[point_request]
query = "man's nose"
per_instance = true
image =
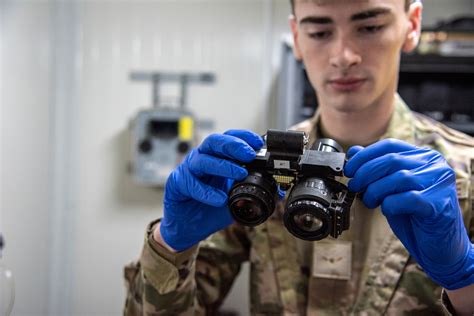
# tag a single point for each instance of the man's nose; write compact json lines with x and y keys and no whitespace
{"x":344,"y":56}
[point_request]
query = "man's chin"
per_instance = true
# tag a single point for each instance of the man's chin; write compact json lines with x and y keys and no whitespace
{"x":348,"y":103}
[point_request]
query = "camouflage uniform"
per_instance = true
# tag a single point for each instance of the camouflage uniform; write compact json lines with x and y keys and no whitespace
{"x":384,"y":278}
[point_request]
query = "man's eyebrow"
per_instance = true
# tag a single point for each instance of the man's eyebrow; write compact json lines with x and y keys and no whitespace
{"x":316,"y":20}
{"x":372,"y":13}
{"x":356,"y":17}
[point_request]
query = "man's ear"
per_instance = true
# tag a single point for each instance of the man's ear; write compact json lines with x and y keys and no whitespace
{"x":294,"y":31}
{"x":414,"y":27}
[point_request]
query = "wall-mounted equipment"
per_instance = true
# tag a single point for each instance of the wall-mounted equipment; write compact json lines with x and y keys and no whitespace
{"x":163,"y":135}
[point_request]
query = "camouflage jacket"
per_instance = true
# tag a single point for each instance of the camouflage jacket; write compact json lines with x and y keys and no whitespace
{"x":383,"y":279}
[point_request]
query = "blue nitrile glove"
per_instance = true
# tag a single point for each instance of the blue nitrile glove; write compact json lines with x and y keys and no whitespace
{"x":195,"y":200}
{"x":416,"y":189}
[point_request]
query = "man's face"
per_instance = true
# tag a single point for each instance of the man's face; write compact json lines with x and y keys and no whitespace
{"x":351,"y":48}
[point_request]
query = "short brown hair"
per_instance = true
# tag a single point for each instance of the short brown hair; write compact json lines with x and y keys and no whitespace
{"x":407,"y":5}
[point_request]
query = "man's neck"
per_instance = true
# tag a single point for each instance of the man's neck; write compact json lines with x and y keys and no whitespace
{"x":358,"y":127}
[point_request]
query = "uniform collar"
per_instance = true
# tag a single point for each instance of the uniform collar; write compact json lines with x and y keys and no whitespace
{"x":402,"y":123}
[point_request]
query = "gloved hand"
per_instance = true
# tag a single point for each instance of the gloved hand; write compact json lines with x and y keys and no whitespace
{"x":416,"y":189}
{"x":195,"y":199}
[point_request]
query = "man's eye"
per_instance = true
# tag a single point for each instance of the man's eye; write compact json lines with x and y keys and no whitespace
{"x":320,"y":35}
{"x":371,"y":28}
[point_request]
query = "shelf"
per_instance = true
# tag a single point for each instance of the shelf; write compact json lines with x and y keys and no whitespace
{"x":436,"y":64}
{"x":467,"y":128}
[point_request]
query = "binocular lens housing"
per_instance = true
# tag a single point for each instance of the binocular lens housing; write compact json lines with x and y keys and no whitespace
{"x":307,"y":215}
{"x":253,"y":200}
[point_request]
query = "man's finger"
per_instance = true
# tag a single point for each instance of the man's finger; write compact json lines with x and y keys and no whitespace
{"x":227,"y":146}
{"x":400,"y":181}
{"x":371,"y":152}
{"x":203,"y":164}
{"x":204,"y":193}
{"x":383,"y":166}
{"x":254,"y":140}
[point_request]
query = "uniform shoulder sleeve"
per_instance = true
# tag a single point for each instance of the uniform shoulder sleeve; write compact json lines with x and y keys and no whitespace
{"x":191,"y":282}
{"x":432,"y":129}
{"x":219,"y":261}
{"x":159,"y":281}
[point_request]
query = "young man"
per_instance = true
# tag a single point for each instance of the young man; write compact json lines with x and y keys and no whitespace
{"x":407,"y":239}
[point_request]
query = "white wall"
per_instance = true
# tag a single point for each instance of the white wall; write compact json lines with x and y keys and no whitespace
{"x":70,"y":213}
{"x":25,"y":149}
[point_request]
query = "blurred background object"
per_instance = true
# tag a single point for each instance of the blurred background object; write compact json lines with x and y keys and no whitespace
{"x":72,"y":213}
{"x":7,"y":285}
{"x":163,"y":135}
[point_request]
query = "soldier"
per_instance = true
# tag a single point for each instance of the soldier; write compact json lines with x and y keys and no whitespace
{"x":407,"y":251}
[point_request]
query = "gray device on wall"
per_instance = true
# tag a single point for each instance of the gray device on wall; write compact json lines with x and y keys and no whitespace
{"x":162,"y":136}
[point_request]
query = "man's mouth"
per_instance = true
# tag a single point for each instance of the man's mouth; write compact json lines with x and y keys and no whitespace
{"x":347,"y":84}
